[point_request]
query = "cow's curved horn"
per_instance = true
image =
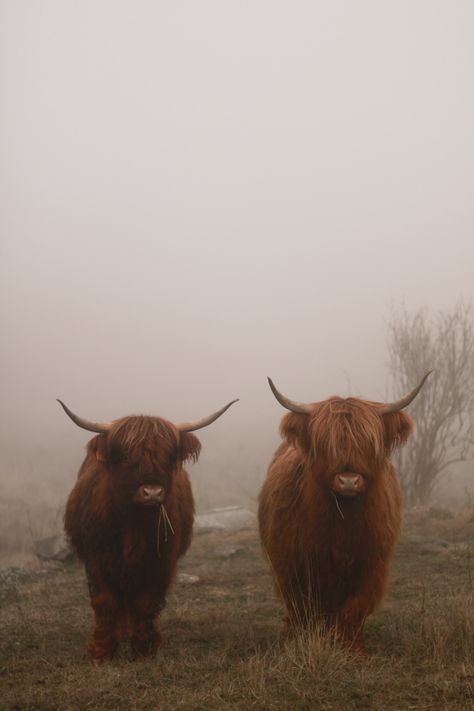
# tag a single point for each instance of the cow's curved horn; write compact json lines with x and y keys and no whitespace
{"x":404,"y":401}
{"x":204,"y":421}
{"x":300,"y":407}
{"x":99,"y":427}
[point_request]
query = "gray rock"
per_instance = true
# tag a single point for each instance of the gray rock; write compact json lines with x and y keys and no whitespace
{"x":228,"y":519}
{"x":187,"y":579}
{"x":53,"y":548}
{"x":227,"y":551}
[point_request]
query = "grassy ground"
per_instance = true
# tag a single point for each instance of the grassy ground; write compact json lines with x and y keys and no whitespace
{"x":223,"y":647}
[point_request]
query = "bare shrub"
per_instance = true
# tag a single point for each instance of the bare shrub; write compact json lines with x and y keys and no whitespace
{"x":443,"y":414}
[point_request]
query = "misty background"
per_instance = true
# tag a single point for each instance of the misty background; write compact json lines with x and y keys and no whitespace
{"x":200,"y":194}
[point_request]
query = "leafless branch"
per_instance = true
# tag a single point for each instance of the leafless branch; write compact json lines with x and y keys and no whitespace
{"x":444,"y":415}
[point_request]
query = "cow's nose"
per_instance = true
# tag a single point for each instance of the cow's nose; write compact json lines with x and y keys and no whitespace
{"x":153,"y":493}
{"x":349,"y":481}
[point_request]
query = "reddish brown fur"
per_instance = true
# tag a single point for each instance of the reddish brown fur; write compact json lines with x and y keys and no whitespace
{"x":331,"y":554}
{"x":117,"y":538}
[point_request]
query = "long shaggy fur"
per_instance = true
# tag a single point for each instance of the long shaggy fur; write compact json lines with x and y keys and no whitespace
{"x":331,"y":555}
{"x":129,"y":570}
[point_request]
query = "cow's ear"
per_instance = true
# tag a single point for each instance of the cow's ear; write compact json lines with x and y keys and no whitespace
{"x":189,"y":447}
{"x":97,"y":447}
{"x":398,"y":427}
{"x":294,"y":428}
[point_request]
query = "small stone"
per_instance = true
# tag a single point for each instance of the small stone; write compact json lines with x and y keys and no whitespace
{"x":187,"y":579}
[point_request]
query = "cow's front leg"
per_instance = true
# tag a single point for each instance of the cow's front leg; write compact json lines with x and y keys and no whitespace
{"x":109,"y":616}
{"x":350,"y":627}
{"x":351,"y":617}
{"x":108,"y":628}
{"x":144,"y":636}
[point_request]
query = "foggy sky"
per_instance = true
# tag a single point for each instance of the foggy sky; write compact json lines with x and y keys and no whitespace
{"x":200,"y":194}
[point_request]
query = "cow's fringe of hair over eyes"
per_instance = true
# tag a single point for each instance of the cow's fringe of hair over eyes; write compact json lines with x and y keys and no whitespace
{"x":346,"y":426}
{"x":338,"y":430}
{"x":132,"y":432}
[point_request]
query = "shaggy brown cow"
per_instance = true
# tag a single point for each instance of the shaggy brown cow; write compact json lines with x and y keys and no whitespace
{"x":330,"y":509}
{"x":129,"y":518}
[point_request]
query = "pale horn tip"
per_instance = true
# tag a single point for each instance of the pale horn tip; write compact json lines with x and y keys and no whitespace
{"x":301,"y":408}
{"x":393,"y":407}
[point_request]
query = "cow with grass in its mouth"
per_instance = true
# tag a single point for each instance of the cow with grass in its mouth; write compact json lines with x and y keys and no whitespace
{"x":330,"y":509}
{"x":129,"y":518}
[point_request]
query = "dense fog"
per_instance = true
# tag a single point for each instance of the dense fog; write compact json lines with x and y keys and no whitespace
{"x":200,"y":194}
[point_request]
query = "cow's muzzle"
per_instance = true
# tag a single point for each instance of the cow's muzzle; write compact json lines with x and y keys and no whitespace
{"x":348,"y":484}
{"x":150,"y":495}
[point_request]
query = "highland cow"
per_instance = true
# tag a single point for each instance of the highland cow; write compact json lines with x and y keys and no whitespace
{"x":330,"y":510}
{"x":129,"y":518}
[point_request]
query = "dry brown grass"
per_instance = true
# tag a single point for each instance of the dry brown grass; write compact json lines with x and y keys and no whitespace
{"x":224,"y":648}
